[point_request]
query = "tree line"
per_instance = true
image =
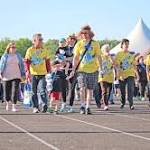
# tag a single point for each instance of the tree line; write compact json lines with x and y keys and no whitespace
{"x":23,"y":44}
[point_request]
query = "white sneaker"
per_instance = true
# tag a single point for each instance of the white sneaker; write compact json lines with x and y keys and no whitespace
{"x":142,"y":99}
{"x":105,"y":108}
{"x":14,"y":110}
{"x":35,"y":110}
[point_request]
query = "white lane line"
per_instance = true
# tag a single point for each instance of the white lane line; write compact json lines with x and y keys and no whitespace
{"x":127,"y":116}
{"x":107,"y":128}
{"x":31,"y":135}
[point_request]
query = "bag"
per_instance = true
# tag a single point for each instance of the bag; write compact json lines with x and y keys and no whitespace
{"x":27,"y":95}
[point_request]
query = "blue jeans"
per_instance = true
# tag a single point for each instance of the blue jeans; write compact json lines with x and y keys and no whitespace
{"x":38,"y":84}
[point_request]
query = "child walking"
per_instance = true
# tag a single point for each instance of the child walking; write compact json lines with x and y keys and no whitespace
{"x":54,"y":88}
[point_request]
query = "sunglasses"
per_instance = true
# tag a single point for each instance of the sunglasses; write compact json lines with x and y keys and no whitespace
{"x":40,"y":39}
{"x":84,"y":33}
{"x":13,"y":47}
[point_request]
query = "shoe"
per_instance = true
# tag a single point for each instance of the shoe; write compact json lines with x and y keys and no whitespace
{"x":122,"y":106}
{"x":82,"y":110}
{"x":142,"y":99}
{"x":71,"y":110}
{"x":88,"y":111}
{"x":14,"y":110}
{"x":105,"y":108}
{"x":112,"y":103}
{"x":55,"y":113}
{"x":50,"y":110}
{"x":35,"y":110}
{"x":131,"y":107}
{"x":44,"y":110}
{"x":62,"y":109}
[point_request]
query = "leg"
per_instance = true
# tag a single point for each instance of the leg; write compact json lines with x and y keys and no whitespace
{"x":42,"y":90}
{"x":130,"y":86}
{"x":123,"y":92}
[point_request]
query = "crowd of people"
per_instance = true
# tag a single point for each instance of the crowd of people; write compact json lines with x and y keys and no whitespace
{"x":81,"y":69}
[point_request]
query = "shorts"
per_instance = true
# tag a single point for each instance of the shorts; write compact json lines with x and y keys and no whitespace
{"x":55,"y":95}
{"x":87,"y":80}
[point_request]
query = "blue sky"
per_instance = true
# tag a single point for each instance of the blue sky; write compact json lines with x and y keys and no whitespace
{"x":112,"y":19}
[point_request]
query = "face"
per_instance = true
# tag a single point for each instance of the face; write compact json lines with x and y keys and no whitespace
{"x":106,"y":50}
{"x":62,"y":44}
{"x":12,"y":48}
{"x":125,"y":46}
{"x":38,"y":42}
{"x":85,"y":35}
{"x":141,"y":60}
{"x":71,"y":41}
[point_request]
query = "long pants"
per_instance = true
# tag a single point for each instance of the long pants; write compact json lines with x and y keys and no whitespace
{"x":11,"y":90}
{"x":38,"y":84}
{"x":130,"y":90}
{"x":106,"y":91}
{"x":142,"y":88}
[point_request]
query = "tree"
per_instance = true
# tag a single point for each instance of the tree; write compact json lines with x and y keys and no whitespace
{"x":3,"y":44}
{"x":52,"y":46}
{"x":22,"y":45}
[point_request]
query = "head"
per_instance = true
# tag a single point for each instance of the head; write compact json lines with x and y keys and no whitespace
{"x":11,"y":48}
{"x":105,"y":49}
{"x":71,"y":40}
{"x":125,"y":44}
{"x":56,"y":65}
{"x":62,"y":42}
{"x":86,"y":33}
{"x":37,"y":40}
{"x":141,"y":59}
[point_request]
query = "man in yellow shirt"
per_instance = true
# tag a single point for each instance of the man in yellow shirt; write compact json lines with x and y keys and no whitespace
{"x":37,"y":62}
{"x":88,"y":69}
{"x":125,"y":63}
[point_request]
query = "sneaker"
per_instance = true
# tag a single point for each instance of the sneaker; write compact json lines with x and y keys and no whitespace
{"x":62,"y":109}
{"x":71,"y":110}
{"x":142,"y":99}
{"x":44,"y":109}
{"x":105,"y":108}
{"x":55,"y":113}
{"x":131,"y":107}
{"x":122,"y":106}
{"x":82,"y":110}
{"x":14,"y":110}
{"x":35,"y":110}
{"x":50,"y":110}
{"x":112,"y":103}
{"x":88,"y":111}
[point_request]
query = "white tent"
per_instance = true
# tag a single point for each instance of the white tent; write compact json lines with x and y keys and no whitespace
{"x":139,"y":39}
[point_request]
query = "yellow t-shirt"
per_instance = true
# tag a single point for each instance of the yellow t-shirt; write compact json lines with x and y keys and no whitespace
{"x":107,"y":68}
{"x":147,"y":60}
{"x":126,"y":64}
{"x":89,"y":63}
{"x":38,"y":60}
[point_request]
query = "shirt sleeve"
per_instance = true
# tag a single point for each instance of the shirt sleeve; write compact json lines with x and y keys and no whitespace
{"x":28,"y":55}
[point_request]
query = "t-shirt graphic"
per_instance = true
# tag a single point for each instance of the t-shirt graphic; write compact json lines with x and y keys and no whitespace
{"x":106,"y":67}
{"x":35,"y":59}
{"x":89,"y":56}
{"x":125,"y":63}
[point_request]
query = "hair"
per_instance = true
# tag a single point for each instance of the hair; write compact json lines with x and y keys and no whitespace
{"x":9,"y":45}
{"x":104,"y":47}
{"x":124,"y":41}
{"x":86,"y":28}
